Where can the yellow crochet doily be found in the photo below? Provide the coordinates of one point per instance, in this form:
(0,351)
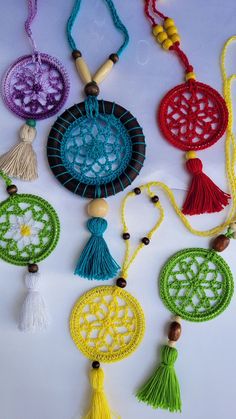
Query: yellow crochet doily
(107,324)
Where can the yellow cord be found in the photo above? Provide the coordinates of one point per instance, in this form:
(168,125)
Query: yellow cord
(129,258)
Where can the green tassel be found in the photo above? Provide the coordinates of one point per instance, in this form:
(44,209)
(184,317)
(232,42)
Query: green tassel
(162,389)
(95,261)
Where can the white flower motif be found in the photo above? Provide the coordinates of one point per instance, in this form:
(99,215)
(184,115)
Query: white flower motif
(24,230)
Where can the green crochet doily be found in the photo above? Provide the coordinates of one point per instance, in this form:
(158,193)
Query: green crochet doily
(196,284)
(29,229)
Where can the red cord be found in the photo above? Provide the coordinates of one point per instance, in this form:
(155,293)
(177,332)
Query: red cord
(154,8)
(149,16)
(182,56)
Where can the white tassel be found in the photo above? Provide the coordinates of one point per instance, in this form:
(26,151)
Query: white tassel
(21,160)
(33,314)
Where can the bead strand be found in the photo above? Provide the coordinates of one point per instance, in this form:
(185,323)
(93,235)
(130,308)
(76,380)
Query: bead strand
(166,35)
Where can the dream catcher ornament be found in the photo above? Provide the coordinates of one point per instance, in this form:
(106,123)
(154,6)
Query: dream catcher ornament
(96,149)
(35,87)
(192,116)
(107,323)
(29,232)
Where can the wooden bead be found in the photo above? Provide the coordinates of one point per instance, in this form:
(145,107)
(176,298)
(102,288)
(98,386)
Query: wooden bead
(220,243)
(121,282)
(167,44)
(103,71)
(98,208)
(154,199)
(161,37)
(114,58)
(83,70)
(174,331)
(190,76)
(76,54)
(175,38)
(168,22)
(137,191)
(96,365)
(172,30)
(145,240)
(157,29)
(33,268)
(126,236)
(12,189)
(91,89)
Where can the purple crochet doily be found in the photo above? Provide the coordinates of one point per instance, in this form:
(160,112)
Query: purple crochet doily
(35,86)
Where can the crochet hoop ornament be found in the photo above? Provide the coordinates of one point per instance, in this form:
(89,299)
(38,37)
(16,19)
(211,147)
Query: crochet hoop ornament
(192,117)
(29,232)
(107,323)
(96,149)
(35,87)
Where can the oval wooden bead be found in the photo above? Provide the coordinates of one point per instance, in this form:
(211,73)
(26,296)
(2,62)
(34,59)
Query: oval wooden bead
(174,331)
(161,37)
(83,70)
(175,38)
(168,22)
(172,30)
(220,243)
(157,29)
(167,44)
(12,189)
(98,208)
(103,71)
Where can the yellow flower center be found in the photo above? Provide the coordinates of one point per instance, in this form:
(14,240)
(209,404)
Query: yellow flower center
(25,230)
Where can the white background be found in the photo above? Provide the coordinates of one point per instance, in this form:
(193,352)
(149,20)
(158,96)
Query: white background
(44,375)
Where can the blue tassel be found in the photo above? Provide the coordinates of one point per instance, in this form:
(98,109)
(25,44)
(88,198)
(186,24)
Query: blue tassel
(95,261)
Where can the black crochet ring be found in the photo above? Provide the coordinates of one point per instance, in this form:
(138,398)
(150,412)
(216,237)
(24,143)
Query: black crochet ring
(71,144)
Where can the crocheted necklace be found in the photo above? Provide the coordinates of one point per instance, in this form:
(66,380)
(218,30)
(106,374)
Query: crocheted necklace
(29,232)
(192,116)
(107,323)
(195,284)
(96,149)
(35,87)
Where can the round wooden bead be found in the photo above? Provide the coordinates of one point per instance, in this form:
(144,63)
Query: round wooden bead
(157,29)
(137,191)
(12,189)
(33,268)
(174,331)
(172,30)
(126,236)
(145,240)
(162,37)
(98,208)
(168,22)
(121,282)
(175,38)
(220,243)
(155,199)
(76,54)
(92,89)
(114,58)
(96,365)
(167,44)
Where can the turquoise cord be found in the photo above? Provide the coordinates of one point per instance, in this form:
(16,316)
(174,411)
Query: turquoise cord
(116,20)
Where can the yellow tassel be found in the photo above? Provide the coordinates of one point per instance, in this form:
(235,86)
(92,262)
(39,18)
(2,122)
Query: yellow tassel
(99,408)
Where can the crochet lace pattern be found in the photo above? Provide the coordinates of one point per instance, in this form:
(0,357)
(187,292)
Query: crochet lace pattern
(196,284)
(35,86)
(96,148)
(107,324)
(29,229)
(192,116)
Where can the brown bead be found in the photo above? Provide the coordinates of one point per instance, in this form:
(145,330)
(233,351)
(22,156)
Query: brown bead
(12,189)
(126,236)
(220,243)
(155,199)
(174,331)
(92,89)
(137,191)
(114,58)
(121,282)
(145,240)
(96,365)
(76,54)
(33,268)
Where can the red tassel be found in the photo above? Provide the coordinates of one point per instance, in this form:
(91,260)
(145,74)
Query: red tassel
(203,195)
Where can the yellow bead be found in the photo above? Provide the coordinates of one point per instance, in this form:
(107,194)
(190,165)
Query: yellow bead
(175,38)
(167,44)
(98,208)
(190,155)
(161,37)
(172,30)
(190,75)
(168,22)
(157,29)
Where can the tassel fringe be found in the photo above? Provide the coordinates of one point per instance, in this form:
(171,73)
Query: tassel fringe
(162,389)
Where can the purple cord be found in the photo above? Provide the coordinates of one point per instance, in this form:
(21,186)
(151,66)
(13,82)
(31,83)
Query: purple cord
(32,11)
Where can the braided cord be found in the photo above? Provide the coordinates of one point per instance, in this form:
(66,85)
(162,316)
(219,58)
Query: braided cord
(130,258)
(32,11)
(116,20)
(6,179)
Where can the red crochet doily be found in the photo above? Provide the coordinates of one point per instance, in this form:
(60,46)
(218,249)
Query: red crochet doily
(193,116)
